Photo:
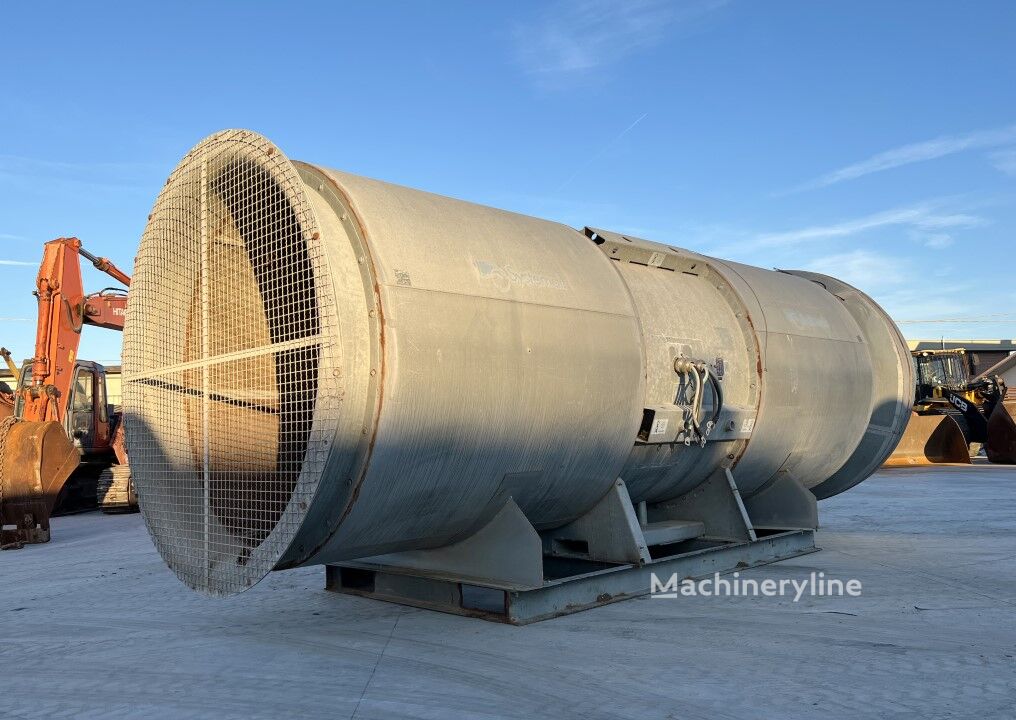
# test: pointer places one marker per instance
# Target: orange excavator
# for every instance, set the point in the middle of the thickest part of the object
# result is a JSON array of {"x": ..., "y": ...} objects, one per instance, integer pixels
[{"x": 61, "y": 420}]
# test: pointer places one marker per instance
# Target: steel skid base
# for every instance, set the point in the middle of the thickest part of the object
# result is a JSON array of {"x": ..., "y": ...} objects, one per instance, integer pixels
[
  {"x": 573, "y": 586},
  {"x": 508, "y": 572}
]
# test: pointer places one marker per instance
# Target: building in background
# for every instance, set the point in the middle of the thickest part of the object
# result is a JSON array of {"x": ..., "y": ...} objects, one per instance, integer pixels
[
  {"x": 983, "y": 353},
  {"x": 1006, "y": 368},
  {"x": 113, "y": 386}
]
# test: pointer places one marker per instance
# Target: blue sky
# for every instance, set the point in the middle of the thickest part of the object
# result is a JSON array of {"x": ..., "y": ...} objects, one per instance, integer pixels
[{"x": 875, "y": 141}]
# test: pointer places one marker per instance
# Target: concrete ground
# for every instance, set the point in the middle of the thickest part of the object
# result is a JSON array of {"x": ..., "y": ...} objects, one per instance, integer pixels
[{"x": 94, "y": 625}]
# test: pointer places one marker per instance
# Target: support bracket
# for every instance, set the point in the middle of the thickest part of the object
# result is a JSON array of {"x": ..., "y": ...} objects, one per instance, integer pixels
[
  {"x": 610, "y": 532},
  {"x": 784, "y": 504},
  {"x": 716, "y": 503},
  {"x": 505, "y": 553}
]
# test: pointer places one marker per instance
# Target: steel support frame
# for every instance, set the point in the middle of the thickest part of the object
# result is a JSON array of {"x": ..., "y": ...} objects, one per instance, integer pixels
[
  {"x": 569, "y": 593},
  {"x": 503, "y": 573}
]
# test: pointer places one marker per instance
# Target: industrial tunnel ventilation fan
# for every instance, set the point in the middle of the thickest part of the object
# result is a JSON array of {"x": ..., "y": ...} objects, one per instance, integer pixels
[
  {"x": 320, "y": 368},
  {"x": 226, "y": 362}
]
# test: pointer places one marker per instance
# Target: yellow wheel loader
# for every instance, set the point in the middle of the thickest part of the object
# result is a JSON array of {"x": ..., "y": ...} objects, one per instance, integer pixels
[{"x": 954, "y": 414}]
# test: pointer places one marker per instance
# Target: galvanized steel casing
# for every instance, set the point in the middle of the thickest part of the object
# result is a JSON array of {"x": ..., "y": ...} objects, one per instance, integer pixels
[
  {"x": 817, "y": 374},
  {"x": 505, "y": 363}
]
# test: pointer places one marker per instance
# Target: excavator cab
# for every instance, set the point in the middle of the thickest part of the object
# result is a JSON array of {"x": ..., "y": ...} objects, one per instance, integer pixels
[
  {"x": 87, "y": 420},
  {"x": 87, "y": 423}
]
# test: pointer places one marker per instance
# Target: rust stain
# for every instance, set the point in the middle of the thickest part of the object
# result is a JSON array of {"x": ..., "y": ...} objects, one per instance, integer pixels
[{"x": 759, "y": 370}]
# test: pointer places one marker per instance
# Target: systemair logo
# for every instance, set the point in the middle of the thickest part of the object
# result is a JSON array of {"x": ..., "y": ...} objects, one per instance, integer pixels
[{"x": 504, "y": 277}]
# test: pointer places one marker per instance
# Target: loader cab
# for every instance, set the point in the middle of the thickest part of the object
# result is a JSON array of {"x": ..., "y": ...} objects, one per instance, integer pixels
[
  {"x": 937, "y": 369},
  {"x": 87, "y": 419}
]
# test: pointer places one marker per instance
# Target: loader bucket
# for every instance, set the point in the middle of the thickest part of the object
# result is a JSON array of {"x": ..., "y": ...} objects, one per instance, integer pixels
[
  {"x": 929, "y": 440},
  {"x": 1001, "y": 445},
  {"x": 37, "y": 459}
]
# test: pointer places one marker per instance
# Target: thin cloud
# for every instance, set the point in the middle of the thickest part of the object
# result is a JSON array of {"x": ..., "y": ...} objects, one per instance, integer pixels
[
  {"x": 862, "y": 268},
  {"x": 914, "y": 153},
  {"x": 1004, "y": 160},
  {"x": 576, "y": 36},
  {"x": 919, "y": 217},
  {"x": 112, "y": 176},
  {"x": 933, "y": 240},
  {"x": 20, "y": 263},
  {"x": 905, "y": 302},
  {"x": 980, "y": 320},
  {"x": 890, "y": 281},
  {"x": 74, "y": 167}
]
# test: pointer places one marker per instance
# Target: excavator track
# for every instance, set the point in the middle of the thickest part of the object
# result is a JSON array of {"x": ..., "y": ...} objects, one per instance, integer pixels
[{"x": 116, "y": 491}]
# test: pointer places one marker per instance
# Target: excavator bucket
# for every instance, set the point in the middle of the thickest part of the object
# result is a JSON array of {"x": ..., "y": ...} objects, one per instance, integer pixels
[
  {"x": 1001, "y": 445},
  {"x": 36, "y": 461},
  {"x": 929, "y": 440}
]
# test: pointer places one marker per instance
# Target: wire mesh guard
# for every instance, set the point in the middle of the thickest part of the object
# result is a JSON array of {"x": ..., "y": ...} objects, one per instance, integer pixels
[{"x": 225, "y": 389}]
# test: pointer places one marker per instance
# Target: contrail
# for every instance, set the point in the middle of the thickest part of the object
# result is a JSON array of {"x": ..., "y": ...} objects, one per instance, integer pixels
[{"x": 598, "y": 153}]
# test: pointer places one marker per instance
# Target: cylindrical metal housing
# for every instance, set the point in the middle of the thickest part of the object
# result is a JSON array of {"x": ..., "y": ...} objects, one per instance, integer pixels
[{"x": 320, "y": 367}]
